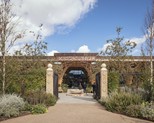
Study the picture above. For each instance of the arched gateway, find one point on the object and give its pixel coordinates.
(64, 61)
(66, 64)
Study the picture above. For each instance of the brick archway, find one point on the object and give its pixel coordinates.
(62, 62)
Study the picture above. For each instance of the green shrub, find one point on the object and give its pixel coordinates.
(134, 111)
(50, 100)
(144, 110)
(33, 97)
(147, 111)
(118, 102)
(35, 109)
(64, 87)
(11, 105)
(40, 97)
(28, 107)
(113, 81)
(39, 109)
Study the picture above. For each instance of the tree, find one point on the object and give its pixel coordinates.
(148, 47)
(118, 47)
(118, 50)
(149, 34)
(8, 34)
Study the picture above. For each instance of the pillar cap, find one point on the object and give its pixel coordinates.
(103, 65)
(49, 65)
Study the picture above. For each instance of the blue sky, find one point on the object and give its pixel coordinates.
(81, 25)
(99, 24)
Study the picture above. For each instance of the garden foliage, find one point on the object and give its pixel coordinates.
(129, 104)
(39, 109)
(118, 102)
(147, 111)
(11, 105)
(113, 81)
(64, 87)
(40, 97)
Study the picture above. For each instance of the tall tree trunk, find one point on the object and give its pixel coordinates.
(151, 46)
(151, 68)
(3, 65)
(4, 74)
(8, 34)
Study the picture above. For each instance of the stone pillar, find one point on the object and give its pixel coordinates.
(49, 79)
(104, 82)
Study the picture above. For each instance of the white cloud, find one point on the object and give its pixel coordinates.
(55, 15)
(52, 53)
(51, 13)
(83, 49)
(138, 41)
(73, 51)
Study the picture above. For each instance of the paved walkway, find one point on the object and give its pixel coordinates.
(81, 110)
(85, 99)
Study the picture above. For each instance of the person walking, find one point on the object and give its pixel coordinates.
(84, 86)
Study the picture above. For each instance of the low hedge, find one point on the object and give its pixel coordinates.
(118, 102)
(129, 104)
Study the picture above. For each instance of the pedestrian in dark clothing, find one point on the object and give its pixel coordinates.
(84, 86)
(94, 87)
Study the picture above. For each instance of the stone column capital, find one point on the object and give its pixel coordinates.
(103, 66)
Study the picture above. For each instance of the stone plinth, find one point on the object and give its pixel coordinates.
(75, 92)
